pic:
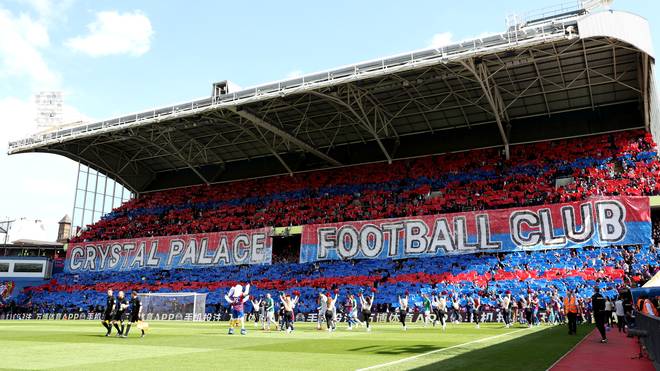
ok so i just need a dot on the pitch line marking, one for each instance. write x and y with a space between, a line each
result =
402 360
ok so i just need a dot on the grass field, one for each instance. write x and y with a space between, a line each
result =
80 345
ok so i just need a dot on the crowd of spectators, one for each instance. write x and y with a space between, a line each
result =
623 163
542 275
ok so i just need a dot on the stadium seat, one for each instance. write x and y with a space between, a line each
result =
622 163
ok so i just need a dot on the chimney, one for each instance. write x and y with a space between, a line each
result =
64 231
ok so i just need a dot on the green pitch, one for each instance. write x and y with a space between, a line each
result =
80 345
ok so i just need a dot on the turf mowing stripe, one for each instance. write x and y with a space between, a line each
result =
438 351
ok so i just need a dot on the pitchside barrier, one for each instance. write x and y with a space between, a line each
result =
600 221
652 339
489 315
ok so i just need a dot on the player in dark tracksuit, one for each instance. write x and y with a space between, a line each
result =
136 309
598 307
109 312
120 309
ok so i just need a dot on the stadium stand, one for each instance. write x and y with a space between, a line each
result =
559 108
544 275
570 133
622 163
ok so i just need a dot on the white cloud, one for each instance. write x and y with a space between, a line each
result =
43 7
441 39
486 34
293 74
22 40
17 119
42 185
49 10
114 33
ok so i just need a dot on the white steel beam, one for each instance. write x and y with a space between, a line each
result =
264 142
492 96
364 124
261 123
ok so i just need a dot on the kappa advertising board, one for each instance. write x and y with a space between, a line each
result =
595 222
169 252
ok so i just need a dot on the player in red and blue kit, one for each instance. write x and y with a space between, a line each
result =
237 299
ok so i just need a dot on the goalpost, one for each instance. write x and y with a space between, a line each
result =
182 306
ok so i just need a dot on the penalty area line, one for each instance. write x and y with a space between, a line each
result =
402 360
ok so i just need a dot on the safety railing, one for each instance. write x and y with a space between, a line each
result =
651 339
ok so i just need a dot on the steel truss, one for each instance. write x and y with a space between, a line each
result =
552 75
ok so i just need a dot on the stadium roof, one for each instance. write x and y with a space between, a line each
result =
567 74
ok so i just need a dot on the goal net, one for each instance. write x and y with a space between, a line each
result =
181 306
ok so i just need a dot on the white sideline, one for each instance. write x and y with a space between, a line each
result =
439 350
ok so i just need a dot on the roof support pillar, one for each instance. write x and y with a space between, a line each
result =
644 88
480 72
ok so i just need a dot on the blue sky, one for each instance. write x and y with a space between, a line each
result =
116 57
